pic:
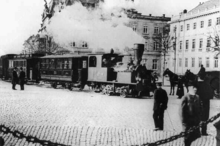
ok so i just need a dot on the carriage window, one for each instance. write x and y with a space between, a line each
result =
65 64
52 63
47 63
70 63
92 61
43 63
59 63
24 63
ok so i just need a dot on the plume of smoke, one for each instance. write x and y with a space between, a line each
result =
104 27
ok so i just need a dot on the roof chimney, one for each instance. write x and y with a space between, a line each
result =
184 11
150 15
163 15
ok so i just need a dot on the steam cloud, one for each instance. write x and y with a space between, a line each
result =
104 27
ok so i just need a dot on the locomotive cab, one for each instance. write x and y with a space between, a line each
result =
101 67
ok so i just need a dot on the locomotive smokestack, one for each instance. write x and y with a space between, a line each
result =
138 52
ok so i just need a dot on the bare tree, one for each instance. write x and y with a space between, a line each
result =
31 44
165 41
214 44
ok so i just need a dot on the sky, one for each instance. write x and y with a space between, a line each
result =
22 18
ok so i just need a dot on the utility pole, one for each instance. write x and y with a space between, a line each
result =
174 48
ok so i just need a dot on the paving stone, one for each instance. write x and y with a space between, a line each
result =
89 119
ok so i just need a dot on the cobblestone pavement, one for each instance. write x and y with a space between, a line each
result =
88 119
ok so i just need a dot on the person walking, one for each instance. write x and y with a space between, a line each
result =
160 105
14 78
22 78
190 114
205 93
180 89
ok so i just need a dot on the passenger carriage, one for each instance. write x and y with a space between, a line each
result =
29 63
4 66
67 70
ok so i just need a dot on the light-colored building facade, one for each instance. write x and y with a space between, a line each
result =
147 26
192 31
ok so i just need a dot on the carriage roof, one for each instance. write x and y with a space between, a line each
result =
63 56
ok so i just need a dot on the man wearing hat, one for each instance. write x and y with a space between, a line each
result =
22 78
190 114
160 105
205 93
14 78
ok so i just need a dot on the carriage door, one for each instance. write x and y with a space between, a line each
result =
75 67
84 72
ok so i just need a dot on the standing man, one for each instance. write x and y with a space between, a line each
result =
205 93
201 72
190 113
160 105
14 78
22 78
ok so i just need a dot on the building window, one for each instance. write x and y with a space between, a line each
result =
156 30
210 22
202 24
218 21
145 29
187 26
193 62
187 44
193 44
208 42
154 64
186 62
216 63
200 43
194 25
181 28
156 46
73 44
134 27
84 45
181 45
200 61
207 62
180 62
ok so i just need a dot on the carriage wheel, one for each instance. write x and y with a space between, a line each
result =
70 87
54 85
109 93
63 85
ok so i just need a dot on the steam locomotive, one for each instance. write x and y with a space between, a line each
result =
108 73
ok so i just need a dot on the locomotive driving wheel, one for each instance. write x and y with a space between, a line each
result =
123 93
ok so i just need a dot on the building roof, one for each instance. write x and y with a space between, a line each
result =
206 5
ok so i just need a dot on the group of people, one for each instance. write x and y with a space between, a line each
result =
194 109
18 78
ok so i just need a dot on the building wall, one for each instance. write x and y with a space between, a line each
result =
196 34
150 54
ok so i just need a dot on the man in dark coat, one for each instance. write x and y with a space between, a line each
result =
160 105
180 89
202 73
205 93
190 114
14 78
22 78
